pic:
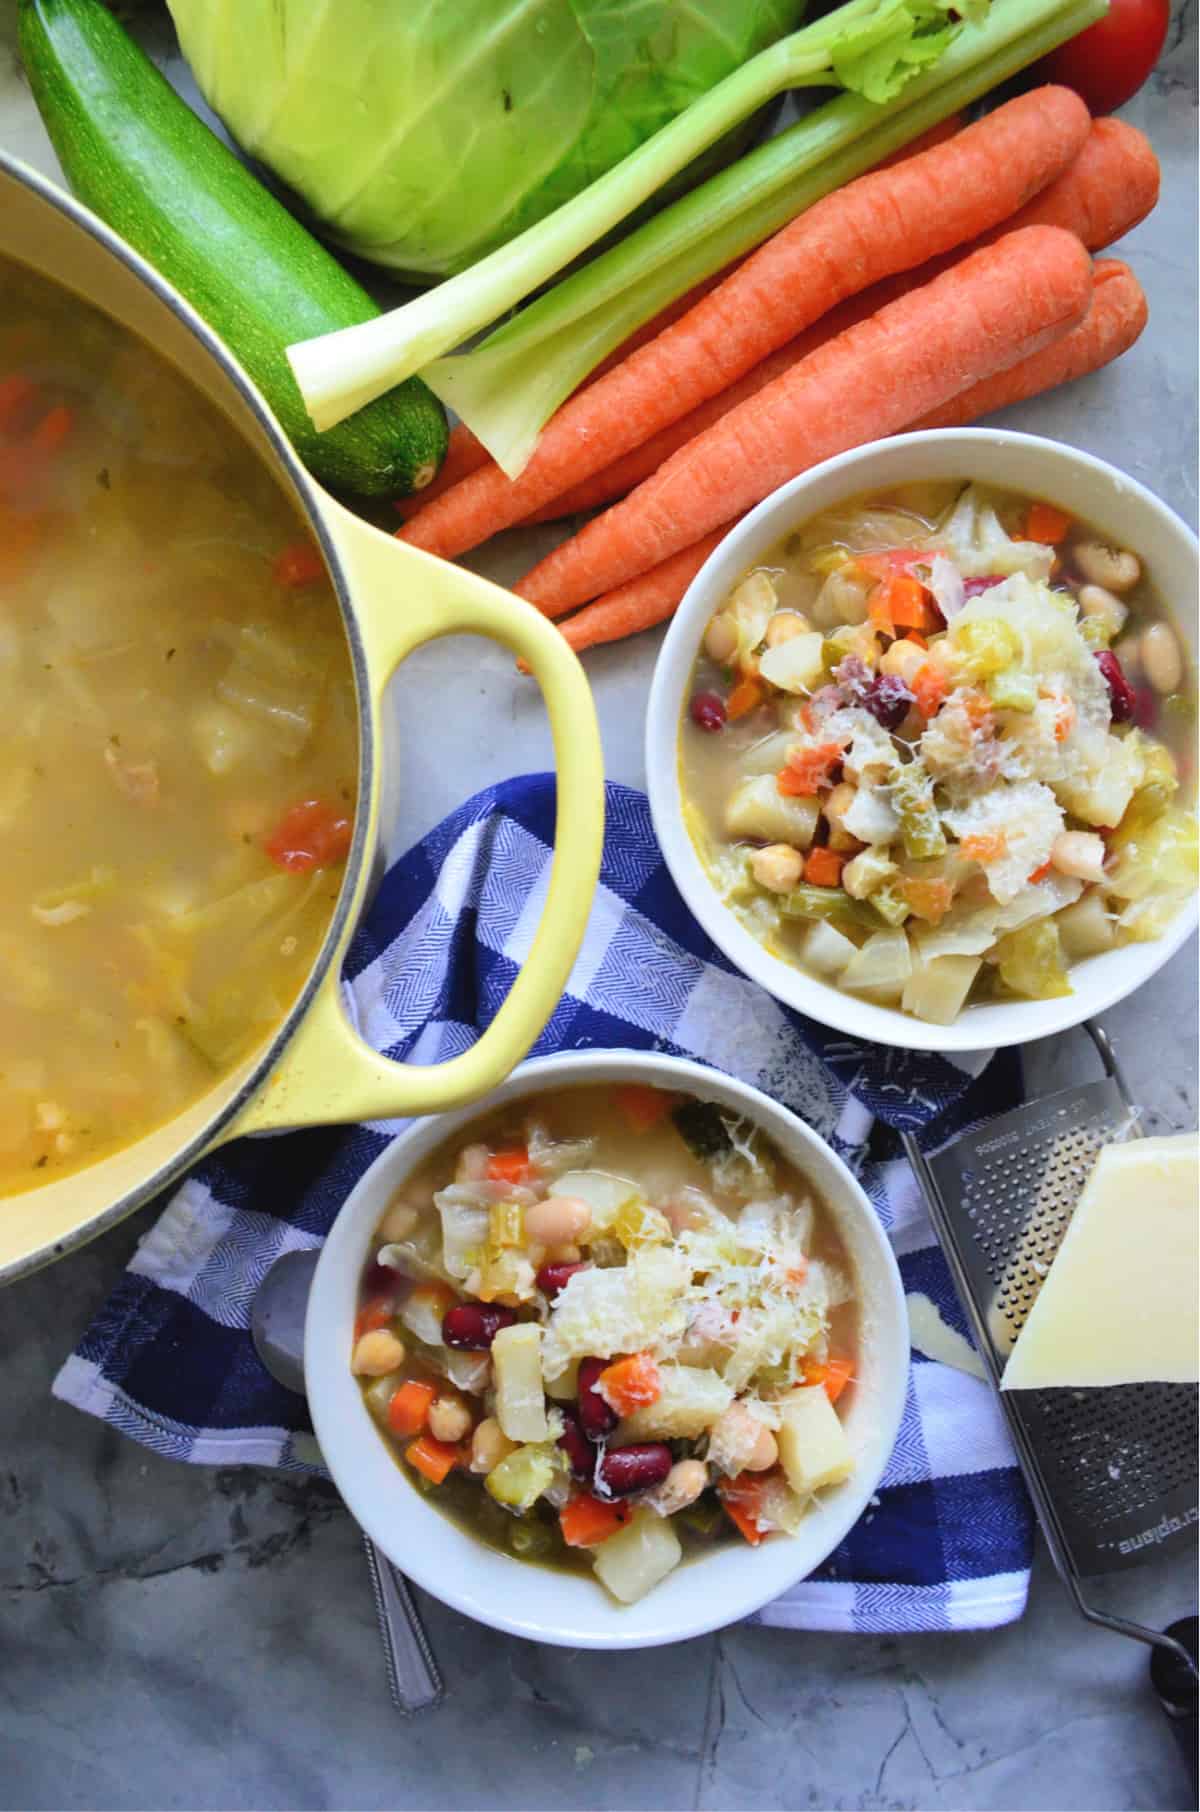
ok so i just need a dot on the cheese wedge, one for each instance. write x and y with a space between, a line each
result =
1121 1303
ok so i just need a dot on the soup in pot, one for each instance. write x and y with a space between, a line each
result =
178 739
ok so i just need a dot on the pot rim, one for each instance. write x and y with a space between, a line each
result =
312 498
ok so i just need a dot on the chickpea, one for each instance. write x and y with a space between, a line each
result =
681 1487
784 626
398 1223
778 867
489 1445
1095 601
765 1452
721 639
558 1221
569 1254
377 1353
449 1419
1079 853
902 660
1161 658
837 804
1116 568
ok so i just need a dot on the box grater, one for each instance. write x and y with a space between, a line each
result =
1112 1473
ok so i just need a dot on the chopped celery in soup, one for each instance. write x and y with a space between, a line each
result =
608 1326
178 742
934 746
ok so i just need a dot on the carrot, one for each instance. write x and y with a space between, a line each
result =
585 1521
435 1460
834 1374
300 564
746 696
621 476
808 770
984 846
741 1500
1115 318
823 867
629 1384
886 221
18 394
927 900
1000 305
1039 873
53 430
641 1106
410 1406
374 1314
466 453
509 1166
641 603
1046 524
1111 186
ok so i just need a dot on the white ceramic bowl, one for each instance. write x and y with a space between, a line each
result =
1127 513
538 1602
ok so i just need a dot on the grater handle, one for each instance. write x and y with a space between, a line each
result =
1176 1687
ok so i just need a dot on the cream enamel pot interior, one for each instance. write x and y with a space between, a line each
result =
1126 513
574 1610
392 599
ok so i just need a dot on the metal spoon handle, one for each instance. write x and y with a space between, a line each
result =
413 1678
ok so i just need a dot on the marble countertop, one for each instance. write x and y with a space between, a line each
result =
180 1637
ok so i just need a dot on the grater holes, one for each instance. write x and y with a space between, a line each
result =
1116 1454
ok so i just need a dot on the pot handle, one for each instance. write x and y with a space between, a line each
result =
404 598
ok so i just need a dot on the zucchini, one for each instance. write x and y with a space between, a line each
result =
138 156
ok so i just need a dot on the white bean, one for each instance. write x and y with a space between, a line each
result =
1129 652
720 639
765 1453
1095 601
376 1353
778 867
681 1487
1079 853
397 1223
1116 568
558 1221
1161 658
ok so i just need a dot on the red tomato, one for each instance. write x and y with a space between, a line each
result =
1107 63
311 835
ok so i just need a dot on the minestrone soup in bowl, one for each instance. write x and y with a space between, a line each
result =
936 747
620 1325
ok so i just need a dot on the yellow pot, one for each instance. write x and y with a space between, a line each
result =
315 1068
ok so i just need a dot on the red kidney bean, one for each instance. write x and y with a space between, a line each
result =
472 1326
381 1280
553 1278
1122 697
888 700
1145 707
973 587
575 1444
594 1413
707 711
623 1470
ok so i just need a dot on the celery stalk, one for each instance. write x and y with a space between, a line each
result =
507 388
874 47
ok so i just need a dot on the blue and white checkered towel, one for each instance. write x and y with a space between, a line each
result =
946 1543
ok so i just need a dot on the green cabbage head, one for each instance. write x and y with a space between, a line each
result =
424 133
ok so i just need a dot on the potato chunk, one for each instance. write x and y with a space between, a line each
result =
758 809
812 1441
633 1562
